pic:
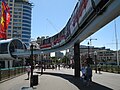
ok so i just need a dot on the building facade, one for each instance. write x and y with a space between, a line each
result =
20 22
42 56
104 56
108 56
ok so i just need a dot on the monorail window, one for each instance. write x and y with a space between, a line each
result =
12 47
3 48
17 44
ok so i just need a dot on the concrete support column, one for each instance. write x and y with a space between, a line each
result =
24 63
6 63
77 60
38 58
11 63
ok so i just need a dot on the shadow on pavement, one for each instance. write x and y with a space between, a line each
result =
26 88
78 82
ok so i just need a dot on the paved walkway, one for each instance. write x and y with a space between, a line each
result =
63 80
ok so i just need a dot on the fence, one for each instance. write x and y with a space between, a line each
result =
109 68
11 72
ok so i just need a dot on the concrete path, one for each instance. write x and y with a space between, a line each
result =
63 80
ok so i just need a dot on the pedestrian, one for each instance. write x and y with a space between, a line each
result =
53 67
89 74
42 66
58 66
99 68
83 70
28 69
36 65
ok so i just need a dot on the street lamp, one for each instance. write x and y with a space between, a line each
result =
88 50
41 63
88 58
95 54
31 63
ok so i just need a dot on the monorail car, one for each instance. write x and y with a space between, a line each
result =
84 12
8 46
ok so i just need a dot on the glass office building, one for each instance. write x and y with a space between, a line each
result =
20 22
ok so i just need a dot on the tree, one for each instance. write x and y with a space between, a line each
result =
54 60
89 60
65 59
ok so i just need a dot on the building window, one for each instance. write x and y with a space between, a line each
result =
9 31
10 4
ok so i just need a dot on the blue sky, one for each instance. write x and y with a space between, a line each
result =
50 16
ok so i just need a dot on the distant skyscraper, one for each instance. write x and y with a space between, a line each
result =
20 22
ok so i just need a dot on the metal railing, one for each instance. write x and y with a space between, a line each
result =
7 73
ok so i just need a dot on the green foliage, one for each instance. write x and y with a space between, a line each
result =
109 68
54 60
65 59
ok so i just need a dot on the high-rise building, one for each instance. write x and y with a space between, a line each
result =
20 22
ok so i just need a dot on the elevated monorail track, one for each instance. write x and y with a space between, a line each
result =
97 22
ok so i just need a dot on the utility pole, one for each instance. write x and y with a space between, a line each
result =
116 44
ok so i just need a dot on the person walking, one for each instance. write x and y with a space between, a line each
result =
42 66
28 69
83 70
89 74
99 68
58 66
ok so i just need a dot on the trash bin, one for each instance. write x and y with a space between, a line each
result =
35 80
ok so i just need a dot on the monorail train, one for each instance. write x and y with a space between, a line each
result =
8 46
83 13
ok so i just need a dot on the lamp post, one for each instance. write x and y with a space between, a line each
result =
88 58
95 54
31 57
0 71
41 63
88 50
